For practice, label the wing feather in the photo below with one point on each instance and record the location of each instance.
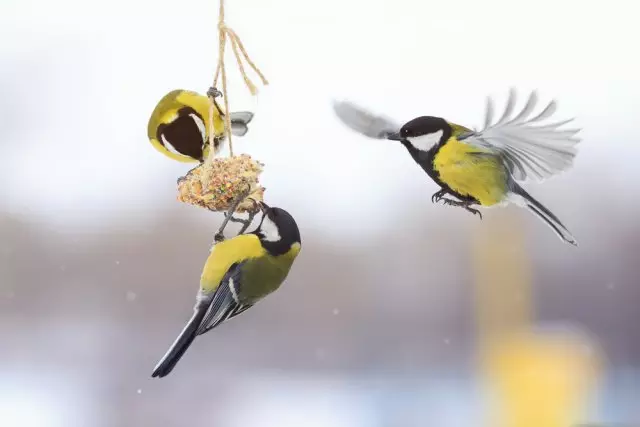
(225, 304)
(508, 110)
(364, 122)
(527, 110)
(530, 151)
(488, 117)
(548, 111)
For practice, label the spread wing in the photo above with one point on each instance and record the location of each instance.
(529, 150)
(363, 121)
(224, 304)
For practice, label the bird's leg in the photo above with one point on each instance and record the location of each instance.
(234, 219)
(249, 220)
(219, 236)
(465, 205)
(438, 195)
(245, 222)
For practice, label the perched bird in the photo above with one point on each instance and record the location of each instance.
(179, 126)
(481, 167)
(238, 273)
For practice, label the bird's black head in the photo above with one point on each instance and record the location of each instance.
(423, 133)
(185, 135)
(277, 231)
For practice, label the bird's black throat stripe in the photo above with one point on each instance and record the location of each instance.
(183, 134)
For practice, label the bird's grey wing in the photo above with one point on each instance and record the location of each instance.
(240, 121)
(225, 303)
(209, 312)
(530, 151)
(363, 121)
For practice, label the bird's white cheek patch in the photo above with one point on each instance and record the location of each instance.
(200, 125)
(426, 142)
(269, 231)
(170, 146)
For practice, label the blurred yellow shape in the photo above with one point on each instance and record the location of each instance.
(536, 379)
(542, 380)
(502, 272)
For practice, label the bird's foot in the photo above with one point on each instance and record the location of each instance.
(252, 213)
(465, 205)
(228, 216)
(213, 92)
(437, 196)
(245, 222)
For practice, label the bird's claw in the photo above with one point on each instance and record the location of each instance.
(245, 222)
(213, 92)
(234, 219)
(474, 211)
(464, 205)
(249, 220)
(228, 216)
(437, 196)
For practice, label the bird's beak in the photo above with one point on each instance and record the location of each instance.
(263, 207)
(395, 136)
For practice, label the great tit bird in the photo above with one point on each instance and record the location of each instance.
(481, 167)
(238, 273)
(179, 126)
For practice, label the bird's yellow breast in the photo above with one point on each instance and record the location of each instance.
(225, 254)
(471, 171)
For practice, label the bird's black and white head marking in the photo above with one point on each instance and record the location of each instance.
(269, 231)
(424, 133)
(186, 135)
(277, 230)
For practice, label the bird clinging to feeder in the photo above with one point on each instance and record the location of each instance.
(185, 125)
(239, 273)
(244, 269)
(179, 125)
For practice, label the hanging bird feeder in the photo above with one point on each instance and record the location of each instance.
(218, 183)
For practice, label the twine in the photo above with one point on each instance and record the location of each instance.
(241, 54)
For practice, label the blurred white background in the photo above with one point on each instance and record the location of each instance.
(375, 326)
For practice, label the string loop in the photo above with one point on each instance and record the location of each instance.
(239, 51)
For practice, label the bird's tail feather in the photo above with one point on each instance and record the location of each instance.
(180, 345)
(544, 214)
(240, 121)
